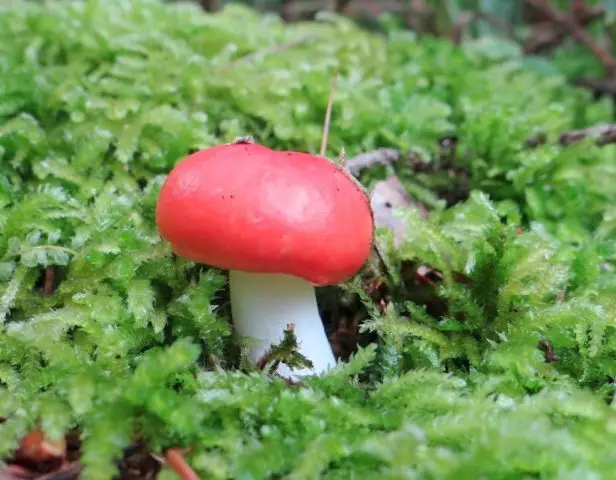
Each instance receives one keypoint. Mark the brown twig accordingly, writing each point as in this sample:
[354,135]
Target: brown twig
[548,350]
[606,135]
[49,280]
[328,115]
[267,51]
[381,156]
[176,461]
[547,34]
[572,27]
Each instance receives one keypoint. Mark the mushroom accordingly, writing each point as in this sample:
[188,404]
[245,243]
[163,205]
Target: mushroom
[281,223]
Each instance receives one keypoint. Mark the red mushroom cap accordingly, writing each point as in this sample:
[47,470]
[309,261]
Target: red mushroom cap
[247,207]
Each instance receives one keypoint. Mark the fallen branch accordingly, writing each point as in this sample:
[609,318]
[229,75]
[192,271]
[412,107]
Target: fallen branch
[49,280]
[381,156]
[606,135]
[571,25]
[547,34]
[548,350]
[390,156]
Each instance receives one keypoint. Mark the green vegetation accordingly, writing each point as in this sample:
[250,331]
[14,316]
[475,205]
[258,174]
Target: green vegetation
[99,99]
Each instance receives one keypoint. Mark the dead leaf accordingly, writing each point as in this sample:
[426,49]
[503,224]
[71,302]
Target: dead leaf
[388,195]
[37,448]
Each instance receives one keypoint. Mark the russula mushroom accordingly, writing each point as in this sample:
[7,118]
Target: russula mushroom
[281,223]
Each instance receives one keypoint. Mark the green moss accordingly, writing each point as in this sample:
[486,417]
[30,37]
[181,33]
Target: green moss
[99,99]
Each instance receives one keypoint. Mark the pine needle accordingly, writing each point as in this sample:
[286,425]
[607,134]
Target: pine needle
[177,462]
[328,115]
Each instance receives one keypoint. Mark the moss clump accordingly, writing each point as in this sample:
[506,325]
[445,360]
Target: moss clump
[103,330]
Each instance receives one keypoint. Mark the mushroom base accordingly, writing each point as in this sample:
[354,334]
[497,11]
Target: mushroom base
[264,304]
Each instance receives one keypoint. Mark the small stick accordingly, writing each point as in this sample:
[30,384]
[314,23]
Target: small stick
[605,134]
[328,115]
[380,156]
[548,35]
[175,459]
[49,280]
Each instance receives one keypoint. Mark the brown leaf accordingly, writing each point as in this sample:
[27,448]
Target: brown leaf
[36,448]
[386,196]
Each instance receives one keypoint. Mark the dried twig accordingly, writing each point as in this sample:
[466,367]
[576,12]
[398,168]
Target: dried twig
[606,135]
[547,34]
[328,115]
[572,27]
[49,280]
[548,350]
[175,459]
[381,156]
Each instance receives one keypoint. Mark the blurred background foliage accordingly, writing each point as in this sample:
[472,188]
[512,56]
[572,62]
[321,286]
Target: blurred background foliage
[510,20]
[447,12]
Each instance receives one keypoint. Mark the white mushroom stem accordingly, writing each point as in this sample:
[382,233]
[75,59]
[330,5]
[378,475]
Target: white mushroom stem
[262,307]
